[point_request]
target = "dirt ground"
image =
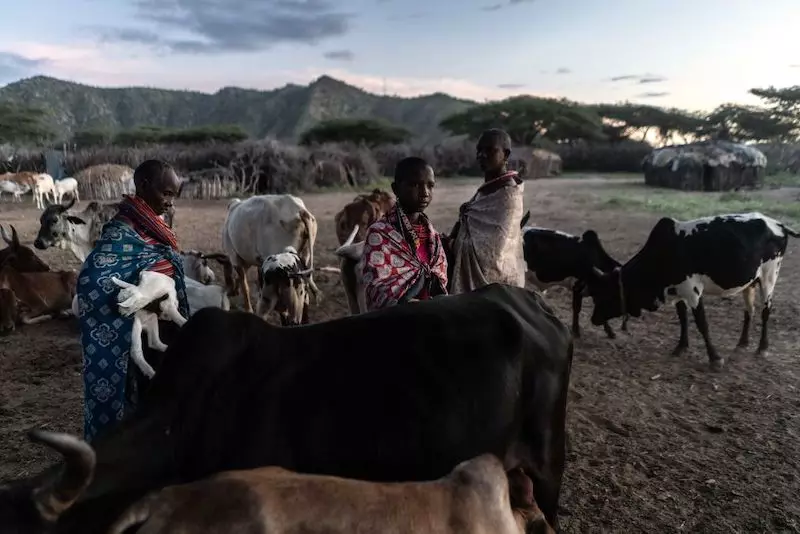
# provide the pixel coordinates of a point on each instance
(657, 443)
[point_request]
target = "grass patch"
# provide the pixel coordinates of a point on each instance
(782, 179)
(685, 205)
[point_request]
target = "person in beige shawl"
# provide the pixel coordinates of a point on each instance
(486, 243)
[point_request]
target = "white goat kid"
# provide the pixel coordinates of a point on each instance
(133, 298)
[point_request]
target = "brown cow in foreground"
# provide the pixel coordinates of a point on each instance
(364, 210)
(473, 499)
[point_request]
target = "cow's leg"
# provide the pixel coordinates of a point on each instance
(769, 278)
(241, 274)
(699, 313)
(36, 319)
(304, 319)
(683, 319)
(577, 304)
(749, 297)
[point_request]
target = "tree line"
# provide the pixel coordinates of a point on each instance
(529, 120)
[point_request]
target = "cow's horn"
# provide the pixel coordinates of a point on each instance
(597, 271)
(305, 272)
(14, 236)
(57, 494)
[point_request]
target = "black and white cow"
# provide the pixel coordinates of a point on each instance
(722, 255)
(555, 258)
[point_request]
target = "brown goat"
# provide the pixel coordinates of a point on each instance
(474, 498)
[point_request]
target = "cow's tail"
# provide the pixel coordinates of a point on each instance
(136, 514)
(789, 230)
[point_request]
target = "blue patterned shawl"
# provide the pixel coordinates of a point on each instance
(105, 333)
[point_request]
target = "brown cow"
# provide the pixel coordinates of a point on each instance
(474, 498)
(364, 210)
(17, 255)
(40, 296)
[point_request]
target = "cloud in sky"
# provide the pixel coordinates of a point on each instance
(218, 26)
(14, 66)
(340, 55)
(653, 94)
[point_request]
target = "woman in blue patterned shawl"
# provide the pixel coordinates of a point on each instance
(135, 240)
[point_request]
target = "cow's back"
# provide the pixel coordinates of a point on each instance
(253, 229)
(405, 391)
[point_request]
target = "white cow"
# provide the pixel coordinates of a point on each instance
(43, 186)
(63, 186)
(14, 188)
(262, 226)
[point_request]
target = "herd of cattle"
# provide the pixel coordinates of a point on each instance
(375, 416)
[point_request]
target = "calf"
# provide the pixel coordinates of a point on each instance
(195, 265)
(473, 499)
(63, 187)
(42, 294)
(284, 279)
(15, 189)
(555, 258)
(721, 255)
(205, 296)
(152, 299)
(362, 211)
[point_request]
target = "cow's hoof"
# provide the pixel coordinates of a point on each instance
(717, 365)
(679, 350)
(762, 353)
(740, 347)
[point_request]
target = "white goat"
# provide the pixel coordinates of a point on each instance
(14, 188)
(43, 185)
(63, 186)
(205, 296)
(133, 298)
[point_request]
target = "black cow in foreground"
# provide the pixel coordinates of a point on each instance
(720, 255)
(428, 385)
(556, 258)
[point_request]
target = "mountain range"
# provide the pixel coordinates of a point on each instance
(283, 113)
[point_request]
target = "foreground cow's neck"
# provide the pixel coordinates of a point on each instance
(78, 241)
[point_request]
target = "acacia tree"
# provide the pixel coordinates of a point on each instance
(370, 132)
(24, 125)
(527, 119)
(627, 119)
(748, 123)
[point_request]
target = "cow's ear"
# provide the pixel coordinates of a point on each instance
(75, 220)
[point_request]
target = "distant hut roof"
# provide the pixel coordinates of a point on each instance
(711, 153)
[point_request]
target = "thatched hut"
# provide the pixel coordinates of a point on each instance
(705, 166)
(544, 164)
(534, 163)
(105, 182)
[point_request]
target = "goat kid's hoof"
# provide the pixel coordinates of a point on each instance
(717, 365)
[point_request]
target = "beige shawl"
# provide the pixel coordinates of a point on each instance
(488, 246)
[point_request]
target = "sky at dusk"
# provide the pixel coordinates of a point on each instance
(693, 54)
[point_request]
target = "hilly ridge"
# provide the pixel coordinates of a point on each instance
(283, 113)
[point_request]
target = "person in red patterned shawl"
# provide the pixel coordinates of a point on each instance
(403, 259)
